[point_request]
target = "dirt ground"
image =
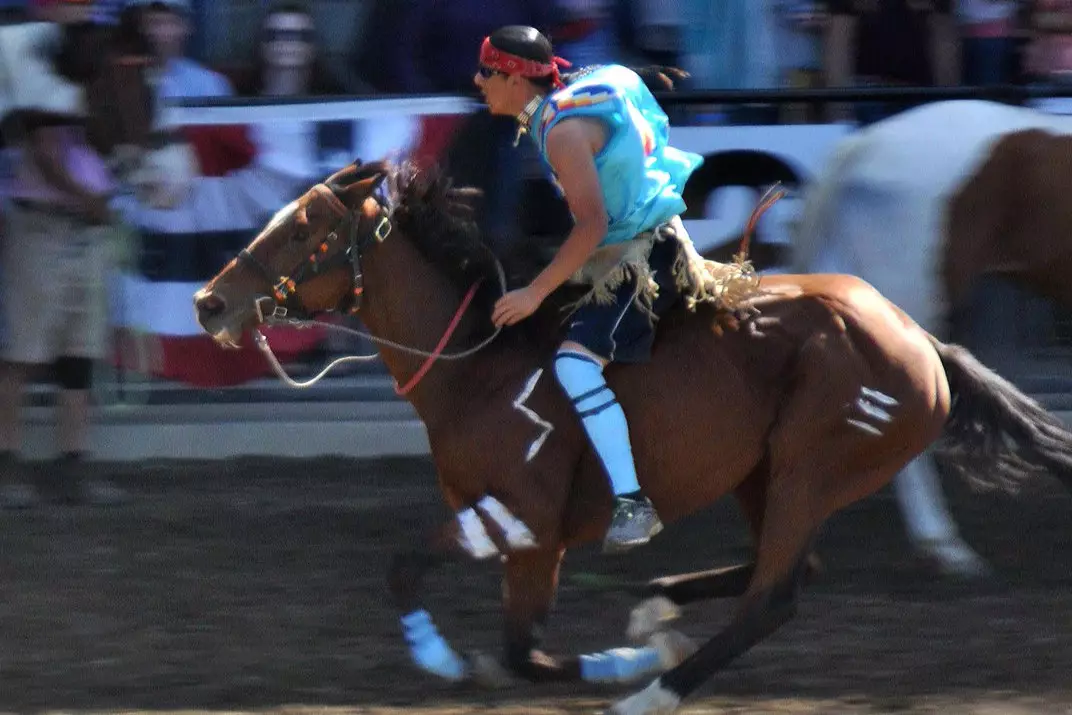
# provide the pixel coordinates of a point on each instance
(251, 585)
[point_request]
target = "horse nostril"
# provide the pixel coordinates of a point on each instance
(209, 306)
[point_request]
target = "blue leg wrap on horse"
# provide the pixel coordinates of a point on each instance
(602, 416)
(620, 665)
(428, 648)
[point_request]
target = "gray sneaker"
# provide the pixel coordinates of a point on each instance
(633, 524)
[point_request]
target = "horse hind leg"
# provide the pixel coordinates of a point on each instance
(668, 593)
(781, 569)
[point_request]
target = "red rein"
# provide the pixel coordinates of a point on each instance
(430, 360)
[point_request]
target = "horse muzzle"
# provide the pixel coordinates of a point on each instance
(217, 318)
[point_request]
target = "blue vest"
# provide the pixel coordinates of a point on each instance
(641, 175)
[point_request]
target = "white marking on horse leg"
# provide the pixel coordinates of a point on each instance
(621, 665)
(650, 617)
(880, 397)
(652, 700)
(473, 537)
(520, 406)
(865, 427)
(517, 535)
(428, 649)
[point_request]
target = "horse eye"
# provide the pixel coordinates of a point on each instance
(300, 235)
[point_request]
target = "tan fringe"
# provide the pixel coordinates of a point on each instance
(726, 285)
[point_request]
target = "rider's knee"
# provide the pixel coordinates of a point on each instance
(577, 371)
(74, 373)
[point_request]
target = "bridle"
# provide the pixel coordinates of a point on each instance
(285, 303)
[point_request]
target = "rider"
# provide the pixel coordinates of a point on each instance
(604, 137)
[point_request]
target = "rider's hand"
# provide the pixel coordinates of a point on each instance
(515, 306)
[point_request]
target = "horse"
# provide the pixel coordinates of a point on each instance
(929, 206)
(807, 399)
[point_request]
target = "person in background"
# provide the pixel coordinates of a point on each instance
(988, 32)
(888, 43)
(56, 258)
(168, 25)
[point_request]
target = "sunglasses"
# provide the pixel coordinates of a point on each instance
(280, 35)
(488, 73)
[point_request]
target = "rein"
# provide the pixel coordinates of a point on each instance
(285, 305)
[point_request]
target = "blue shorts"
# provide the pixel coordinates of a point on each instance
(623, 331)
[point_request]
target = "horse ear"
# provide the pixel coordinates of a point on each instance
(344, 175)
(354, 193)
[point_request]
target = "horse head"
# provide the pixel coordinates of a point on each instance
(307, 259)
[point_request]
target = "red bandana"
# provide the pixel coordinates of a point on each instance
(496, 59)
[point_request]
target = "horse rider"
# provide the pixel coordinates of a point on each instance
(605, 140)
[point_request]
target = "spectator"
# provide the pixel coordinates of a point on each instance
(988, 40)
(56, 257)
(889, 43)
(584, 31)
(1049, 52)
(658, 29)
(287, 63)
(168, 25)
(426, 51)
(799, 30)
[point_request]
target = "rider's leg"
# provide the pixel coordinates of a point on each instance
(580, 372)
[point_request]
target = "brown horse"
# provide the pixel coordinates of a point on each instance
(811, 401)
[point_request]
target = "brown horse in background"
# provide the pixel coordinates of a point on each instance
(808, 401)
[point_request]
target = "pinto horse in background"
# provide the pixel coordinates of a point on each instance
(809, 400)
(929, 206)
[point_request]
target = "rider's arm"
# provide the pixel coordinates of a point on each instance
(46, 150)
(571, 148)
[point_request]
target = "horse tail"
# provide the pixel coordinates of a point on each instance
(996, 436)
(817, 217)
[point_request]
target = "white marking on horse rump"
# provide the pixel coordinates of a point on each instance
(516, 533)
(879, 397)
(473, 536)
(865, 427)
(873, 411)
(544, 425)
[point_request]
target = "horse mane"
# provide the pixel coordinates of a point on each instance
(438, 218)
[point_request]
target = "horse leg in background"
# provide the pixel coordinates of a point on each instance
(530, 583)
(930, 526)
(769, 602)
(669, 592)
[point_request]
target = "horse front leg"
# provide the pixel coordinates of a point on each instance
(428, 649)
(529, 587)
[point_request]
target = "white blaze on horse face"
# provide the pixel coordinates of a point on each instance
(516, 533)
(544, 425)
(473, 537)
(872, 405)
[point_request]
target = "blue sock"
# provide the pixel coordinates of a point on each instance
(601, 415)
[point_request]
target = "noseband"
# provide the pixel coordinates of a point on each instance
(285, 303)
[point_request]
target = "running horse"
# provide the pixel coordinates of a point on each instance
(807, 401)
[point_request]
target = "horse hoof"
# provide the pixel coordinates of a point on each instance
(488, 672)
(649, 618)
(652, 700)
(673, 647)
(954, 559)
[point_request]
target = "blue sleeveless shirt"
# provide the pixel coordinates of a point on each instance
(640, 174)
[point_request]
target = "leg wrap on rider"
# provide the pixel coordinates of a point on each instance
(602, 416)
